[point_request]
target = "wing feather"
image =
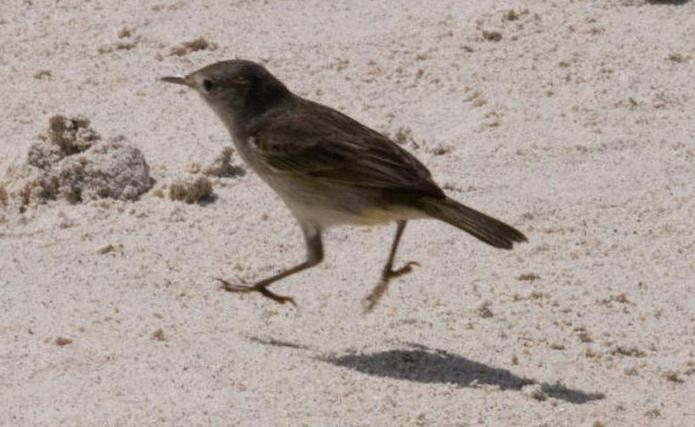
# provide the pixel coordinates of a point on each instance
(314, 140)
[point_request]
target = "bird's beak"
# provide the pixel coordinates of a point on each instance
(176, 80)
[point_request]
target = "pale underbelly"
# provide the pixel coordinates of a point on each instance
(328, 204)
(327, 216)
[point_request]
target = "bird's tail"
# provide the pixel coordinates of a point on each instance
(483, 227)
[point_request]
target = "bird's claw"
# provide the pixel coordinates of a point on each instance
(379, 290)
(407, 268)
(260, 288)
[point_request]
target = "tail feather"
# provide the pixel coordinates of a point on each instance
(481, 226)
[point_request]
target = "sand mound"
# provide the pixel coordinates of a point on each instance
(193, 190)
(223, 167)
(3, 195)
(198, 186)
(73, 163)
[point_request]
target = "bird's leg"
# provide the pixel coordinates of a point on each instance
(314, 257)
(389, 273)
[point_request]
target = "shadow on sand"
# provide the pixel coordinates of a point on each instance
(668, 2)
(421, 364)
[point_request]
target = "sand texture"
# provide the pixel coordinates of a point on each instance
(121, 202)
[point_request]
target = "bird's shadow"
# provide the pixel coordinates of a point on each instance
(277, 343)
(669, 2)
(418, 363)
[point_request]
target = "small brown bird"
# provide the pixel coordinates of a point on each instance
(328, 168)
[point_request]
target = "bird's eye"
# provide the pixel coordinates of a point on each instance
(208, 85)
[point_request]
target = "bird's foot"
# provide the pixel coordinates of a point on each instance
(260, 288)
(380, 289)
(407, 268)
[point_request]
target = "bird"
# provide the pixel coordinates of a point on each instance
(328, 169)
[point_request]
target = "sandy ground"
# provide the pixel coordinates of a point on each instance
(572, 120)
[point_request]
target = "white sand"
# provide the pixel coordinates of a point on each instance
(577, 127)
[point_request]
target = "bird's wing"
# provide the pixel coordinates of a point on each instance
(314, 140)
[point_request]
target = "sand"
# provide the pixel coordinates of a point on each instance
(71, 162)
(572, 120)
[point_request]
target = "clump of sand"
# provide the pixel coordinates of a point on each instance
(222, 166)
(72, 162)
(193, 190)
(3, 195)
(198, 187)
(200, 43)
(534, 391)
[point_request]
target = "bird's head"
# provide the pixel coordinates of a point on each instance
(235, 89)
